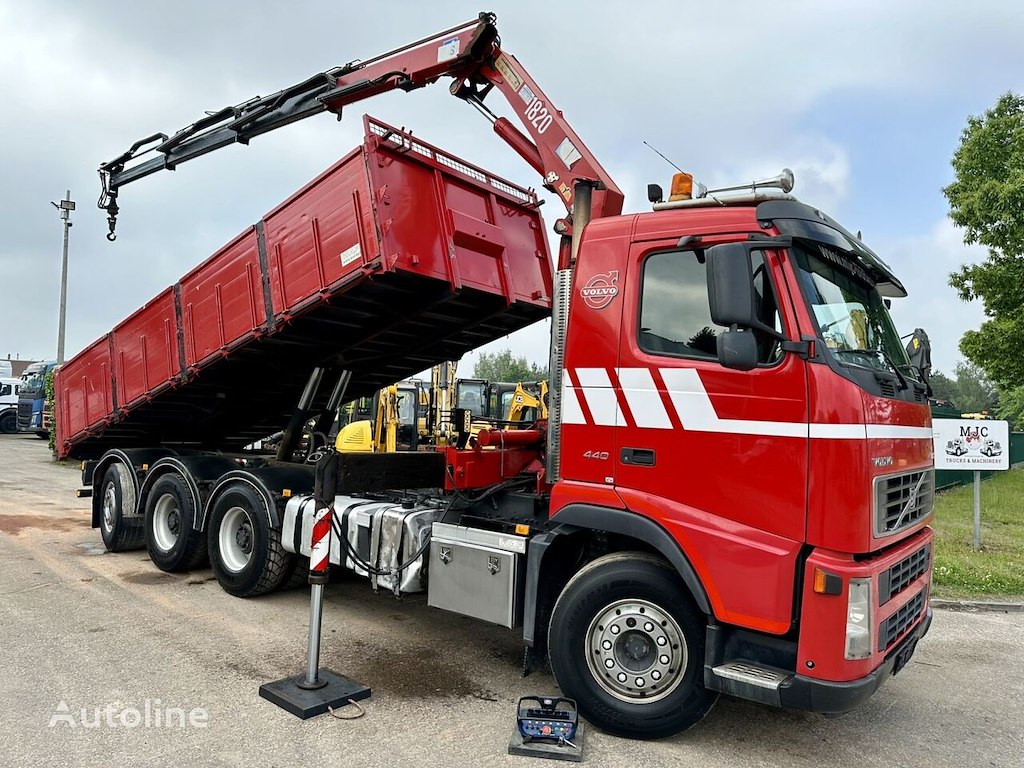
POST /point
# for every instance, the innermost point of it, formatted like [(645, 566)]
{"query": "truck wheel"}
[(173, 544), (9, 423), (120, 530), (627, 643), (245, 552)]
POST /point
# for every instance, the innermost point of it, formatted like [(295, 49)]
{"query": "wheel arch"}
[(546, 567), (133, 460), (195, 471), (274, 484)]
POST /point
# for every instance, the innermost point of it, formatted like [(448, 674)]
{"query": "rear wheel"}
[(172, 542), (119, 528), (245, 552), (627, 643)]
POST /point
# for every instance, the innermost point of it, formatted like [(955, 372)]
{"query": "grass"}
[(997, 571)]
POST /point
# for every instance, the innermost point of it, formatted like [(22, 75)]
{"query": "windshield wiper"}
[(885, 356)]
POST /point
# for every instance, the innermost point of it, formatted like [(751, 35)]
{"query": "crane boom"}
[(469, 53)]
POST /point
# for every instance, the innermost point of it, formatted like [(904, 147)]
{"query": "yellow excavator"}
[(528, 403), (385, 423)]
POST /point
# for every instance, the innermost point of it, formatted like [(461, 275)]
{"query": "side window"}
[(5, 389), (675, 319)]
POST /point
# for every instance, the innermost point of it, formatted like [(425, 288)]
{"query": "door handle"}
[(641, 457)]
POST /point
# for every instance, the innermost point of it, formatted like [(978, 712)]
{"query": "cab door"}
[(718, 456)]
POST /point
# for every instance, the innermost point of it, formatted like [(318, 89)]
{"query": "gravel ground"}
[(84, 629)]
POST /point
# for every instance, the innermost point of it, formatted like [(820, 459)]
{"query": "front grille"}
[(892, 629), (24, 415), (902, 500), (903, 574)]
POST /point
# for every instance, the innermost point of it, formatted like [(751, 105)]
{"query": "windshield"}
[(471, 395), (407, 407), (852, 319), (31, 383)]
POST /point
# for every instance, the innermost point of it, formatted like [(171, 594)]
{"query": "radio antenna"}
[(664, 158)]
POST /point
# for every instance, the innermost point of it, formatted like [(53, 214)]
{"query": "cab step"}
[(748, 680)]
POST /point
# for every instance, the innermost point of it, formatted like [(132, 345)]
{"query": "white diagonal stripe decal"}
[(643, 399), (596, 388), (697, 413), (571, 411), (694, 407)]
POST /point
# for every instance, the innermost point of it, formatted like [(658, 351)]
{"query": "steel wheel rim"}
[(166, 522), (235, 539), (109, 507), (636, 651)]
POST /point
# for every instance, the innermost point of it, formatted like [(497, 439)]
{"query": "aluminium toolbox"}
[(477, 573)]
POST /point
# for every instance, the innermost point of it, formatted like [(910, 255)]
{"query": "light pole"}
[(66, 206)]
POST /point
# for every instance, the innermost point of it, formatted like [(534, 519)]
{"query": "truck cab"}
[(32, 398), (774, 433), (9, 404)]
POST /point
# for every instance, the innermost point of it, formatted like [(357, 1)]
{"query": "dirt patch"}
[(15, 524), (147, 577), (200, 580), (413, 673)]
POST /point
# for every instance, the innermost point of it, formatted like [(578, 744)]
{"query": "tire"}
[(172, 542), (245, 552), (121, 531), (627, 642), (9, 423)]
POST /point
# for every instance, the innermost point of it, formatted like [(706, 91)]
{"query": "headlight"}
[(858, 620)]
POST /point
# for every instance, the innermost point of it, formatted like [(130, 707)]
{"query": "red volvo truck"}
[(732, 492)]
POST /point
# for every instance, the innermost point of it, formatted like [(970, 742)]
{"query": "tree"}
[(987, 200), (502, 366), (1011, 408), (970, 391), (943, 387)]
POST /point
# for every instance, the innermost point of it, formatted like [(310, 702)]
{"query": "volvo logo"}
[(601, 289)]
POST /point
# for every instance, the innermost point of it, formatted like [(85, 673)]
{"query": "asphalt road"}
[(84, 629)]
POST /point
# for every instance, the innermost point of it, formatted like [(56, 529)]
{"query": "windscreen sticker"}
[(526, 94), (351, 254), (501, 64), (568, 152), (448, 50)]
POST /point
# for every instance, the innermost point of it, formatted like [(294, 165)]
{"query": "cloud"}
[(924, 262), (725, 91)]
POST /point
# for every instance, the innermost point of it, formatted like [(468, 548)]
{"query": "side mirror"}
[(731, 285), (737, 350)]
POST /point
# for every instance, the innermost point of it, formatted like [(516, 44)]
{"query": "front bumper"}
[(812, 695)]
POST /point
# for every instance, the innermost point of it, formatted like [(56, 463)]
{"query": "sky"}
[(864, 100)]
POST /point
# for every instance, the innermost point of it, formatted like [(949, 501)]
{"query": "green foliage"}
[(49, 405), (1011, 408), (970, 391), (998, 569), (987, 197), (502, 366), (987, 200)]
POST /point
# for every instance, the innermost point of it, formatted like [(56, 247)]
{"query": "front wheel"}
[(245, 551), (627, 643)]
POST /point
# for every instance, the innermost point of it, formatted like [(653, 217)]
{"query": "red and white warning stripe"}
[(320, 547)]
